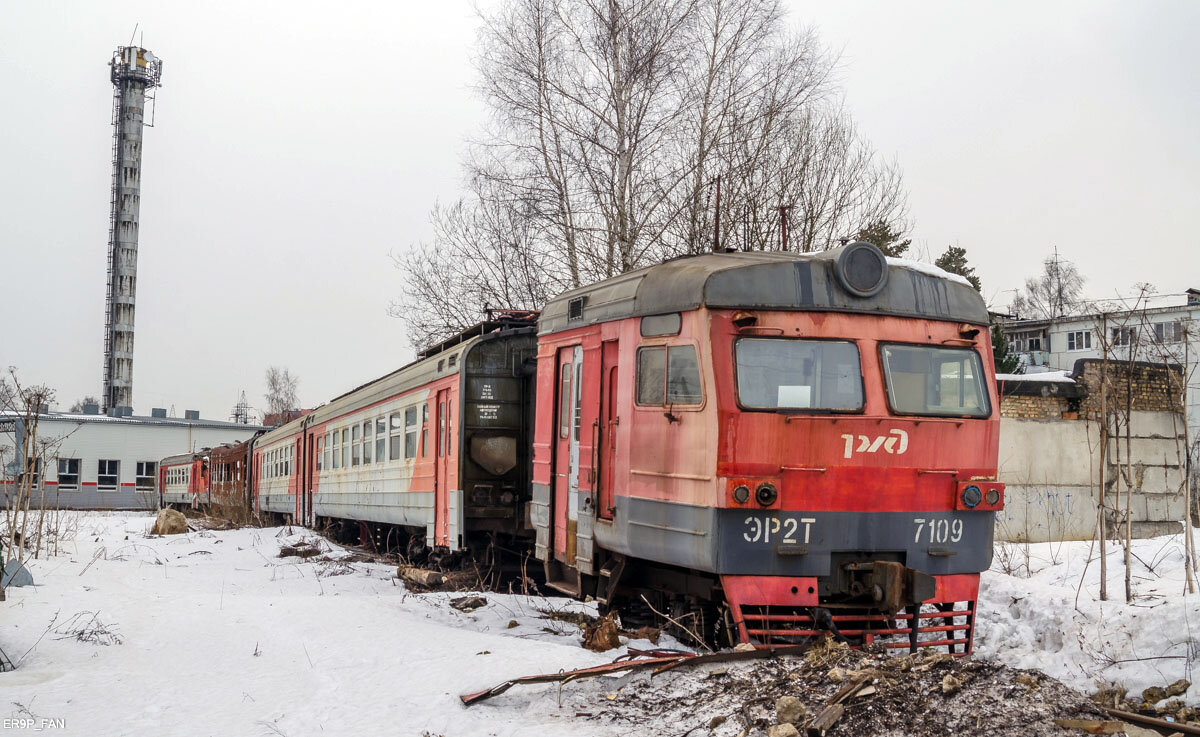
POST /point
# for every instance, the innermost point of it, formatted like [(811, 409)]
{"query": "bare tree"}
[(623, 132), (1053, 293), (81, 403), (281, 392), (24, 458)]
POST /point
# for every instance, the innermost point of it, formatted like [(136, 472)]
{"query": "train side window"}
[(380, 439), (441, 429), (319, 444), (367, 442), (355, 446), (564, 402), (410, 432), (449, 425), (327, 452), (425, 430), (668, 375), (397, 436), (345, 447)]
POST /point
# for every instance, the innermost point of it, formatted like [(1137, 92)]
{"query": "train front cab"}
[(739, 429), (856, 463)]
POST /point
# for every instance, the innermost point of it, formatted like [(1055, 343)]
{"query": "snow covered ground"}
[(218, 635), (1036, 614)]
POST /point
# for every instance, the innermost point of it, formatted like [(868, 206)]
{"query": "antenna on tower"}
[(241, 411)]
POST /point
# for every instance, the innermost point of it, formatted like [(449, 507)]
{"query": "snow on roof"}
[(1062, 377), (929, 269)]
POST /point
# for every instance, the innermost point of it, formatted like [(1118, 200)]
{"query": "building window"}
[(68, 474), (380, 439), (410, 432), (107, 473), (1168, 332), (1079, 340), (397, 436), (1124, 336), (356, 446), (1035, 344), (145, 475), (36, 475)]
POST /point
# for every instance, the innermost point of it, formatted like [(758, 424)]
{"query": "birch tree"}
[(622, 132)]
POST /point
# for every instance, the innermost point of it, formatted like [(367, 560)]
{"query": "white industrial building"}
[(1157, 333), (95, 461)]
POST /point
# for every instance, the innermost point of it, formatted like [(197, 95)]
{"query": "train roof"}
[(766, 280)]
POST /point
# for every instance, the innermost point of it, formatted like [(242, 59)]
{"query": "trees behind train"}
[(624, 132), (282, 401)]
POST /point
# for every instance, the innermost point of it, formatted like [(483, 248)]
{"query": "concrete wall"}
[(1051, 469), (125, 441)]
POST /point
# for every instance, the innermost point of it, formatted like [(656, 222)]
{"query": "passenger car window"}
[(668, 375), (783, 374), (934, 380)]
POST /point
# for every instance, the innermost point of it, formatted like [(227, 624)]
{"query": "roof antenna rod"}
[(134, 34)]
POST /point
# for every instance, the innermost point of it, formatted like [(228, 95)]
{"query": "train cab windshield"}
[(787, 374), (933, 380)]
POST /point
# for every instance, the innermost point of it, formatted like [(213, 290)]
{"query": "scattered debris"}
[(1092, 726), (306, 548), (468, 603), (512, 624), (1154, 694), (169, 522), (421, 576), (636, 660), (950, 684), (1178, 688), (879, 694), (15, 574), (783, 730), (602, 635), (87, 627), (790, 710)]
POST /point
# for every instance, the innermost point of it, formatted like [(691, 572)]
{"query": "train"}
[(766, 446)]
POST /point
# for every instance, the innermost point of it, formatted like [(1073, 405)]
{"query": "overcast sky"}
[(297, 144)]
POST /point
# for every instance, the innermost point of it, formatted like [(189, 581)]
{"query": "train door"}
[(441, 483), (607, 437), (307, 476), (566, 454)]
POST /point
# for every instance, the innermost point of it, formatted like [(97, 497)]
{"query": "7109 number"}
[(938, 530)]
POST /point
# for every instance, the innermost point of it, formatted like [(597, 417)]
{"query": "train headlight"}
[(992, 497), (741, 494), (766, 494), (971, 496), (862, 269)]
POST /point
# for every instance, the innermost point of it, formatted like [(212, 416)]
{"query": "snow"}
[(1063, 377), (1030, 618), (929, 269), (218, 635)]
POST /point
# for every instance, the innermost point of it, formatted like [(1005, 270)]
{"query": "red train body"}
[(775, 443)]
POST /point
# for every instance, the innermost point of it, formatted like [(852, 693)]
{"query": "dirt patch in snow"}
[(922, 695)]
